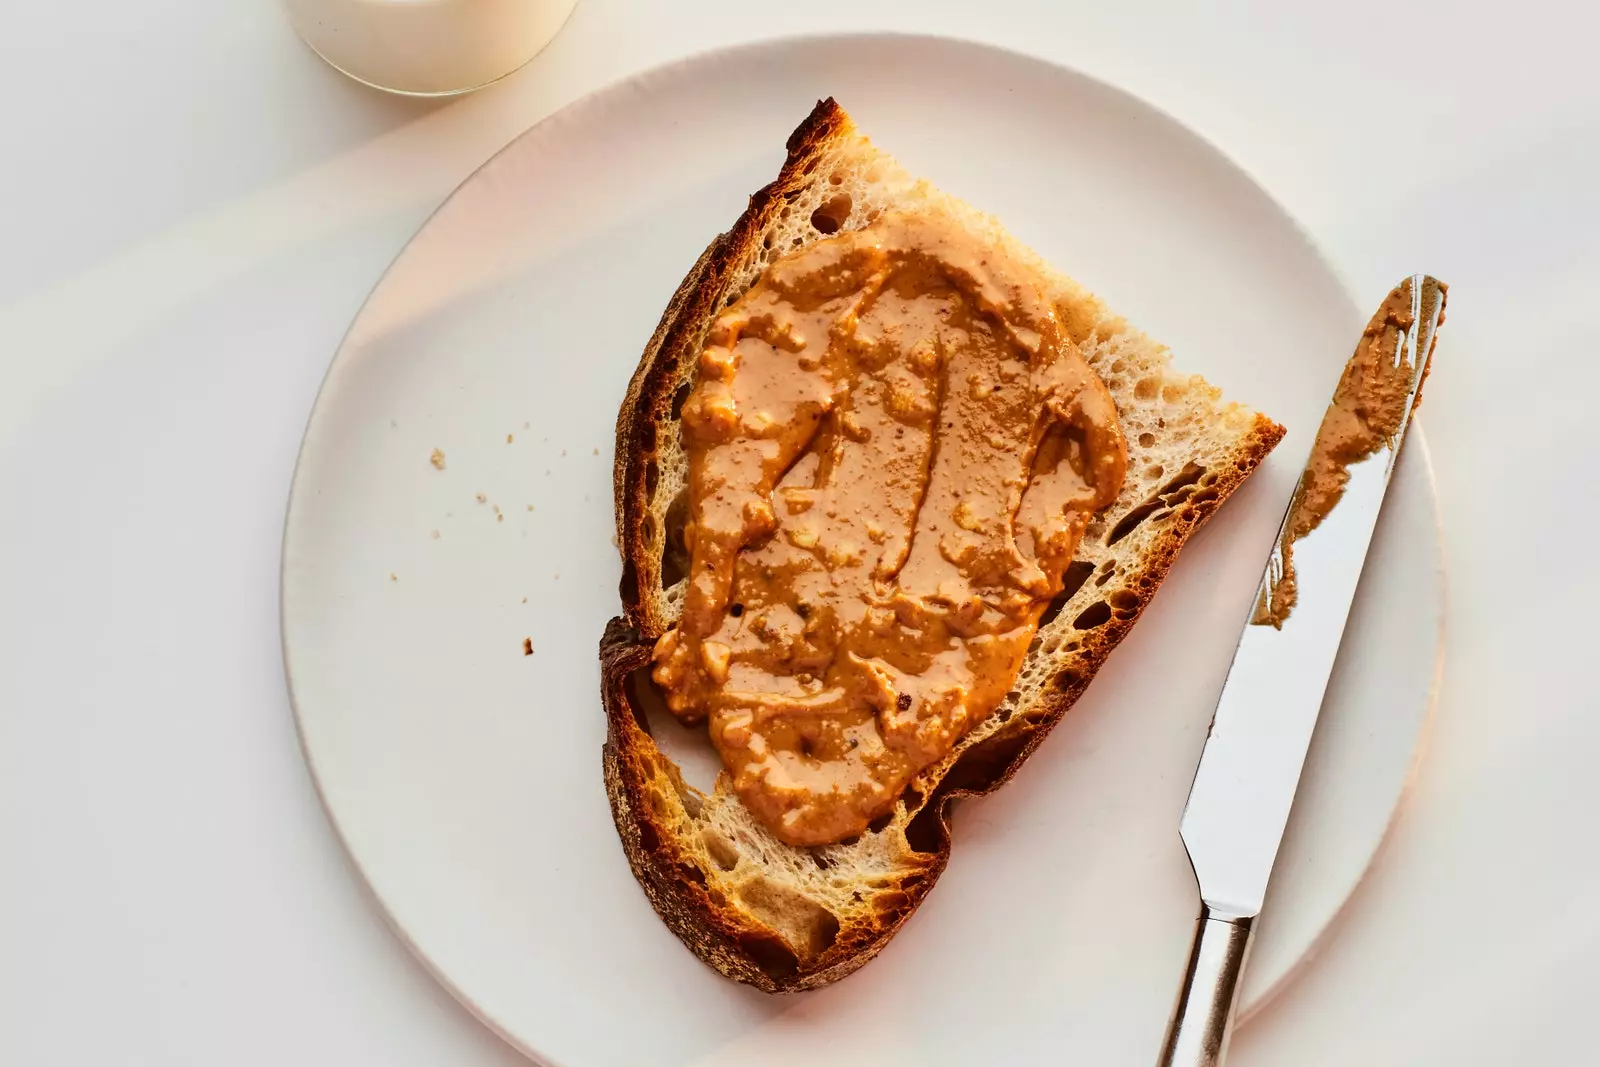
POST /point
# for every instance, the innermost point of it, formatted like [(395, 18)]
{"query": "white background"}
[(193, 209)]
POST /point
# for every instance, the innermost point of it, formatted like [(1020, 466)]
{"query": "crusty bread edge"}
[(674, 884), (677, 340)]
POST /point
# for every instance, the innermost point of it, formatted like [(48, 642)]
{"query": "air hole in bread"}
[(982, 765), (721, 850), (674, 551), (1147, 388), (1188, 476), (647, 530), (1124, 601), (693, 800), (642, 696), (822, 862), (628, 584), (1148, 440), (923, 833), (887, 903), (690, 873), (1093, 616), (808, 927), (1129, 522), (881, 823), (769, 953), (836, 178), (1164, 499), (679, 398), (832, 213), (1072, 580)]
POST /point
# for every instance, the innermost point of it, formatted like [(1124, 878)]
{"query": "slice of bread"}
[(784, 918)]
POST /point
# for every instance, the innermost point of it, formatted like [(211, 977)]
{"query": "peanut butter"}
[(1368, 408), (893, 451)]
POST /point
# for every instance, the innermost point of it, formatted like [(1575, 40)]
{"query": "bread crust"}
[(642, 783)]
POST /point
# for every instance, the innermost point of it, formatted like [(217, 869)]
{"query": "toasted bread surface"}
[(783, 918)]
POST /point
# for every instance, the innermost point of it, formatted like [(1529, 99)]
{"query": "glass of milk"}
[(428, 47)]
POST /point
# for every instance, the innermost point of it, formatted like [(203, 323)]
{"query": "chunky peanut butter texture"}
[(1368, 408), (893, 451)]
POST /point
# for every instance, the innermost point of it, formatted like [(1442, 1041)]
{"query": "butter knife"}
[(1250, 767)]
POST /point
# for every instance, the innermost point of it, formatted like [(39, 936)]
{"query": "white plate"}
[(464, 777)]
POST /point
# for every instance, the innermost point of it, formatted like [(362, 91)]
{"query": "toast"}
[(784, 918)]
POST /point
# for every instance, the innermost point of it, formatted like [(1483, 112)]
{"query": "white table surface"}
[(195, 207)]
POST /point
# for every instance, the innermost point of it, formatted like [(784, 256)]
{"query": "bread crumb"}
[(530, 507), (393, 577), (524, 600), (483, 498), (437, 459), (526, 425), (563, 451), (434, 534), (508, 439), (596, 452), (527, 646)]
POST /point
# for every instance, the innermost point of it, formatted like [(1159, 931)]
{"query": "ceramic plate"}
[(464, 776)]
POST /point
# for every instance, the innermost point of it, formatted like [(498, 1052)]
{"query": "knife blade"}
[(1250, 767)]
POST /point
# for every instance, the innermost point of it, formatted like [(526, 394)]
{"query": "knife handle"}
[(1197, 1036)]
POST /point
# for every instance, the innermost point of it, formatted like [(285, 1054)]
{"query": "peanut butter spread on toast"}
[(893, 451), (1377, 390)]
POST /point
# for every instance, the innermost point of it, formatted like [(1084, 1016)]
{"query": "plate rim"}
[(802, 41)]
